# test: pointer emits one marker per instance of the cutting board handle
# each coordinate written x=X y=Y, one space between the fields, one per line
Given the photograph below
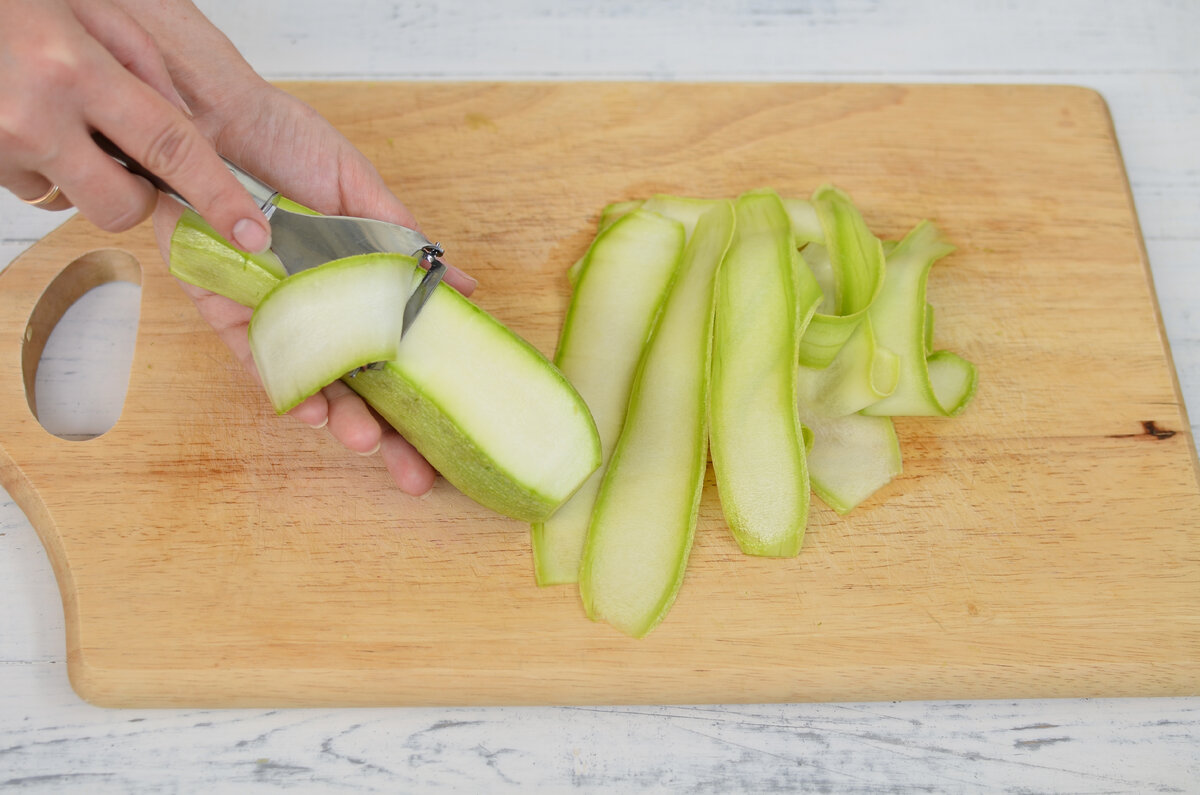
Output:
x=84 y=273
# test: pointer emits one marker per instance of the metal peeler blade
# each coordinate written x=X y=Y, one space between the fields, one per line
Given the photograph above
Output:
x=304 y=241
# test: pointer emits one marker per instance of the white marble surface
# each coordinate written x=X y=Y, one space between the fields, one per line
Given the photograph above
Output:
x=1142 y=56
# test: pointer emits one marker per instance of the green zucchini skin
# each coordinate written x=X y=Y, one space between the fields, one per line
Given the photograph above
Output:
x=527 y=475
x=567 y=456
x=200 y=256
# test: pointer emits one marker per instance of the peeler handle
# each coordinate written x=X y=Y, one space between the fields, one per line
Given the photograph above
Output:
x=262 y=193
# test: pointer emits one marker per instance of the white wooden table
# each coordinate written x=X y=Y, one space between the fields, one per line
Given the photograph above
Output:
x=1142 y=56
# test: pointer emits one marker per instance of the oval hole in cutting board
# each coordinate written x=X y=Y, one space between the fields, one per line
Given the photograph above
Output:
x=71 y=383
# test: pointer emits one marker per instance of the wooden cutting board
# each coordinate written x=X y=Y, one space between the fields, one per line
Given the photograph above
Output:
x=1042 y=544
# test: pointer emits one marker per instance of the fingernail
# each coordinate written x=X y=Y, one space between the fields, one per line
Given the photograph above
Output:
x=178 y=101
x=373 y=450
x=251 y=236
x=320 y=425
x=461 y=274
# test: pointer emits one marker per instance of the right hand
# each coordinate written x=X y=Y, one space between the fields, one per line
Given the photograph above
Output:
x=71 y=67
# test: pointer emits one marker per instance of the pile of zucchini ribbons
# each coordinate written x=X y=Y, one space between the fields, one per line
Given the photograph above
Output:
x=779 y=335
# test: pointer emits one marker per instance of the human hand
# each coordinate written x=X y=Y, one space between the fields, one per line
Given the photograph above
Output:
x=285 y=142
x=170 y=90
x=72 y=67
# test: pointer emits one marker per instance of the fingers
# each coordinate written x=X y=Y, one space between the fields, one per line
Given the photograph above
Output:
x=33 y=188
x=412 y=473
x=130 y=44
x=350 y=421
x=354 y=424
x=313 y=411
x=459 y=280
x=164 y=141
x=69 y=68
x=107 y=194
x=345 y=414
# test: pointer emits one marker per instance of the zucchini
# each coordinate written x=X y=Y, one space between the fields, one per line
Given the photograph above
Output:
x=806 y=223
x=765 y=297
x=683 y=209
x=816 y=323
x=856 y=265
x=852 y=455
x=323 y=323
x=621 y=284
x=937 y=384
x=200 y=256
x=608 y=216
x=862 y=374
x=497 y=419
x=645 y=516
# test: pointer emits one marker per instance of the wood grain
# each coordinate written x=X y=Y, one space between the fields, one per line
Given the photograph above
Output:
x=1036 y=546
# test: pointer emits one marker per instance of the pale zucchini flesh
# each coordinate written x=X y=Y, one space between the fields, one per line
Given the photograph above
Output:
x=806 y=223
x=937 y=384
x=856 y=264
x=862 y=374
x=621 y=285
x=492 y=414
x=499 y=424
x=645 y=516
x=323 y=323
x=852 y=457
x=756 y=442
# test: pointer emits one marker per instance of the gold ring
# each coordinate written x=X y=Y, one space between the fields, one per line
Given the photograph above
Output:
x=45 y=199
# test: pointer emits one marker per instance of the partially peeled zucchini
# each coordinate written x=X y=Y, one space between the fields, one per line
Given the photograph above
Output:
x=492 y=414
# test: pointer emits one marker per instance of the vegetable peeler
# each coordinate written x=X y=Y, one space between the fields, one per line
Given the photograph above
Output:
x=304 y=241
